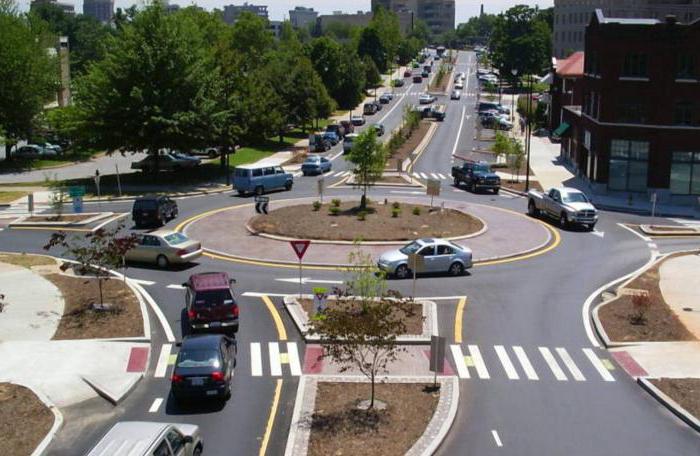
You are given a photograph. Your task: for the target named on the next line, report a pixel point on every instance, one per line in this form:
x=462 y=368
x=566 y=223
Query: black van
x=153 y=211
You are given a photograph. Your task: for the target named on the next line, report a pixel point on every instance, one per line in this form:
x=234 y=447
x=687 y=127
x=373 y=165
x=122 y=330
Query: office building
x=301 y=17
x=359 y=19
x=572 y=16
x=637 y=130
x=439 y=15
x=102 y=10
x=67 y=8
x=232 y=12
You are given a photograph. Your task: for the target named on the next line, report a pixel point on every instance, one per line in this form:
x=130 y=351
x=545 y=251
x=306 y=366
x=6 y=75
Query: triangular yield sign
x=300 y=247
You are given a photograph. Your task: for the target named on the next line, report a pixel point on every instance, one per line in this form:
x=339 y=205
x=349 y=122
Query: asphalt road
x=522 y=306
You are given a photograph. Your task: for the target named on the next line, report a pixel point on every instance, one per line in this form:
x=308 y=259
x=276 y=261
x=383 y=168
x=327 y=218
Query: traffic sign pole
x=300 y=248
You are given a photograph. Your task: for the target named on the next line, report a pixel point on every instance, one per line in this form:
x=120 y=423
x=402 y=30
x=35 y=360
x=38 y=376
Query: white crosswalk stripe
x=293 y=356
x=507 y=364
x=598 y=364
x=575 y=372
x=441 y=176
x=458 y=358
x=423 y=176
x=278 y=359
x=553 y=365
x=275 y=362
x=525 y=363
x=434 y=176
x=478 y=361
x=255 y=359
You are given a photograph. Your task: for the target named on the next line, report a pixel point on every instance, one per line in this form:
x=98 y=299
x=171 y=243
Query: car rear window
x=176 y=238
x=213 y=298
x=146 y=204
x=199 y=358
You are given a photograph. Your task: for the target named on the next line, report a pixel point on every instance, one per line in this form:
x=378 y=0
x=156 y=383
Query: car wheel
x=591 y=227
x=162 y=261
x=496 y=190
x=532 y=209
x=259 y=190
x=305 y=173
x=472 y=187
x=240 y=192
x=402 y=272
x=563 y=221
x=456 y=182
x=456 y=269
x=288 y=186
x=197 y=451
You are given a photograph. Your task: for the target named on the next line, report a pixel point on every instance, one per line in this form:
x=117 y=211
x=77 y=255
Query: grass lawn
x=23 y=164
x=25 y=260
x=8 y=197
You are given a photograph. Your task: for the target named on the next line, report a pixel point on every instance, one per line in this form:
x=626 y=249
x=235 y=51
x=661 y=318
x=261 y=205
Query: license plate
x=212 y=393
x=197 y=381
x=216 y=324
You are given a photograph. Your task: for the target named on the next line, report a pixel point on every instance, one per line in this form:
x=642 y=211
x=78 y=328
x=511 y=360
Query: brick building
x=638 y=127
x=566 y=88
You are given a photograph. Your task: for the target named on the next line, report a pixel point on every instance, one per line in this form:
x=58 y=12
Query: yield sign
x=300 y=248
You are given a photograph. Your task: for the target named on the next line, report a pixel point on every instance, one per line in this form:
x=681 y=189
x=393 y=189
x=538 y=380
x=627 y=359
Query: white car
x=439 y=255
x=456 y=95
x=426 y=98
x=459 y=85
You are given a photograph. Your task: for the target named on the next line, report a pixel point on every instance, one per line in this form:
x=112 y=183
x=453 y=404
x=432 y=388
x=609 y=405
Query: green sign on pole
x=76 y=191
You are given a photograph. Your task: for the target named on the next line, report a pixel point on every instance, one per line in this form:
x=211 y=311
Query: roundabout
x=227 y=233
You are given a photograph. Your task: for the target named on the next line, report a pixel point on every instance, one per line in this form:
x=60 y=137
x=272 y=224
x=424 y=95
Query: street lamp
x=514 y=72
x=528 y=132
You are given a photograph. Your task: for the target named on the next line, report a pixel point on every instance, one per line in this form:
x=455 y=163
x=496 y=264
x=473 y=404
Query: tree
x=516 y=156
x=370 y=45
x=421 y=32
x=252 y=39
x=408 y=49
x=359 y=329
x=372 y=76
x=155 y=89
x=340 y=70
x=29 y=75
x=369 y=158
x=97 y=252
x=476 y=28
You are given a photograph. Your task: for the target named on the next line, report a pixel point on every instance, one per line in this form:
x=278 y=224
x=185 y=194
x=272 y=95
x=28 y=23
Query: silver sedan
x=436 y=256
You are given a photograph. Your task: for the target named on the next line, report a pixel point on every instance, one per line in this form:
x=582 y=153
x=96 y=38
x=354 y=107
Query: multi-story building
x=67 y=8
x=102 y=10
x=360 y=19
x=572 y=16
x=276 y=28
x=301 y=17
x=439 y=15
x=638 y=127
x=566 y=87
x=231 y=12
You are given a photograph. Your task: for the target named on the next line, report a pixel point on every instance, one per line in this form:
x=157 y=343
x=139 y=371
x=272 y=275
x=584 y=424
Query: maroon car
x=210 y=304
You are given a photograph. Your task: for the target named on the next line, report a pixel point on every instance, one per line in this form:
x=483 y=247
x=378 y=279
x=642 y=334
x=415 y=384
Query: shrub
x=640 y=307
x=396 y=205
x=395 y=212
x=335 y=202
x=317 y=205
x=334 y=210
x=361 y=216
x=416 y=210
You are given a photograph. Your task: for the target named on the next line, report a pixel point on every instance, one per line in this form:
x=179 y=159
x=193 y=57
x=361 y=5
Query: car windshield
x=482 y=168
x=145 y=205
x=312 y=160
x=574 y=198
x=213 y=298
x=413 y=247
x=199 y=358
x=176 y=238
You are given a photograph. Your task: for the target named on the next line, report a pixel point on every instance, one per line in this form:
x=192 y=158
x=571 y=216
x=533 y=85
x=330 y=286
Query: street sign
x=416 y=262
x=76 y=190
x=261 y=203
x=78 y=204
x=437 y=354
x=321 y=182
x=300 y=247
x=320 y=300
x=433 y=187
x=30 y=203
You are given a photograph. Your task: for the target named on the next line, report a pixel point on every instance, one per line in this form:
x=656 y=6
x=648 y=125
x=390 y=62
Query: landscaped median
x=27 y=420
x=62 y=220
x=670 y=230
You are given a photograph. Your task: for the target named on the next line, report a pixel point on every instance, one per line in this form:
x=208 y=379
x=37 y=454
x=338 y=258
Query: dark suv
x=337 y=129
x=476 y=175
x=153 y=211
x=210 y=304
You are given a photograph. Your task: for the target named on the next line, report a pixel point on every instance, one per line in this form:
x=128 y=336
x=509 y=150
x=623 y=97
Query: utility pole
x=528 y=128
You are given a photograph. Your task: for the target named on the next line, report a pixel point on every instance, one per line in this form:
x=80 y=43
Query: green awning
x=561 y=129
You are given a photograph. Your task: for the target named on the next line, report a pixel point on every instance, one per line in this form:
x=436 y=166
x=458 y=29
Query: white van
x=143 y=438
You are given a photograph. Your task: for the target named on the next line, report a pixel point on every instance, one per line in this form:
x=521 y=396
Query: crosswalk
x=339 y=174
x=515 y=364
x=429 y=175
x=687 y=222
x=278 y=356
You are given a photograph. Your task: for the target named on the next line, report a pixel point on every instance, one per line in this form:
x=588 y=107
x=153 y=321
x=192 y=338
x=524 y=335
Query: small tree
x=369 y=157
x=640 y=306
x=96 y=252
x=516 y=155
x=501 y=146
x=360 y=329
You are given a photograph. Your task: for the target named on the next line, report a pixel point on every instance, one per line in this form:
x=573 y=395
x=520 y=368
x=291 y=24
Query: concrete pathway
x=545 y=163
x=679 y=286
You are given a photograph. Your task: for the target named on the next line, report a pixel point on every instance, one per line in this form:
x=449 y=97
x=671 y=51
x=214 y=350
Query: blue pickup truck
x=260 y=179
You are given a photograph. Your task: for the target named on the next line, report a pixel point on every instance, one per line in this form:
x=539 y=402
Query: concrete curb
x=110 y=199
x=96 y=216
x=669 y=403
x=675 y=231
x=115 y=396
x=418 y=151
x=40 y=450
x=431 y=439
x=301 y=321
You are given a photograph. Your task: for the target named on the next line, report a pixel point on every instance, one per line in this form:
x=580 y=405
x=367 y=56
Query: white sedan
x=426 y=98
x=438 y=255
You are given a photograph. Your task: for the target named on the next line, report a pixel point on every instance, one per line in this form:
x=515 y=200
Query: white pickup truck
x=568 y=205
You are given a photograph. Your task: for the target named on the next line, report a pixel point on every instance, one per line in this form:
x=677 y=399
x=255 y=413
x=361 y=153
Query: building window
x=628 y=165
x=631 y=111
x=684 y=113
x=685 y=67
x=685 y=173
x=635 y=66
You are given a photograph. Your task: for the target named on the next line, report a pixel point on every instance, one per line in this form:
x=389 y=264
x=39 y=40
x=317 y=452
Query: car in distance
x=426 y=98
x=379 y=128
x=347 y=126
x=153 y=210
x=34 y=151
x=319 y=143
x=407 y=73
x=315 y=165
x=204 y=367
x=358 y=121
x=338 y=129
x=210 y=152
x=348 y=141
x=476 y=176
x=439 y=256
x=425 y=74
x=385 y=98
x=331 y=137
x=147 y=438
x=260 y=179
x=417 y=79
x=183 y=156
x=163 y=248
x=438 y=112
x=370 y=108
x=209 y=303
x=456 y=95
x=400 y=82
x=459 y=85
x=567 y=205
x=165 y=162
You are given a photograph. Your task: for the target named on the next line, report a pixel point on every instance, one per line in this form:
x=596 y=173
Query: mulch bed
x=444 y=82
x=81 y=321
x=392 y=180
x=24 y=420
x=520 y=186
x=302 y=222
x=414 y=323
x=410 y=145
x=63 y=218
x=338 y=428
x=685 y=391
x=662 y=324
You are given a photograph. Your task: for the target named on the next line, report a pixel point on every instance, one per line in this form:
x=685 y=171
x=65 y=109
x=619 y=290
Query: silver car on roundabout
x=439 y=256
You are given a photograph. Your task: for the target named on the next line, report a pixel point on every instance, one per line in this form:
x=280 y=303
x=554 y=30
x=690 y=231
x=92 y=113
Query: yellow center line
x=281 y=331
x=271 y=418
x=459 y=316
x=536 y=253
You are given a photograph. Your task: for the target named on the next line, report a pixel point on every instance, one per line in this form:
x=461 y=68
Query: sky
x=279 y=9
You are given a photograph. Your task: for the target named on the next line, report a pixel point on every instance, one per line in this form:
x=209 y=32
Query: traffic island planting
x=344 y=221
x=404 y=142
x=24 y=420
x=338 y=426
x=685 y=391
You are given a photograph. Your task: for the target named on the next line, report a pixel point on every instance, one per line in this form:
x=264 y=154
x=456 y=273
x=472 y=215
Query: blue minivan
x=260 y=179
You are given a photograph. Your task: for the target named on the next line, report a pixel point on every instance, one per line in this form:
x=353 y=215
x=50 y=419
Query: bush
x=640 y=306
x=395 y=212
x=334 y=210
x=335 y=202
x=361 y=216
x=396 y=205
x=416 y=210
x=317 y=206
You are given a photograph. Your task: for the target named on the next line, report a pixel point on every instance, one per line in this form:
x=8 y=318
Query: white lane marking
x=441 y=176
x=275 y=362
x=305 y=280
x=459 y=131
x=575 y=372
x=406 y=192
x=631 y=230
x=507 y=364
x=416 y=175
x=395 y=106
x=109 y=220
x=163 y=358
x=434 y=176
x=686 y=222
x=525 y=363
x=478 y=362
x=255 y=359
x=174 y=286
x=293 y=356
x=497 y=438
x=424 y=176
x=336 y=156
x=652 y=245
x=600 y=234
x=552 y=363
x=598 y=364
x=143 y=282
x=156 y=405
x=458 y=358
x=156 y=310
